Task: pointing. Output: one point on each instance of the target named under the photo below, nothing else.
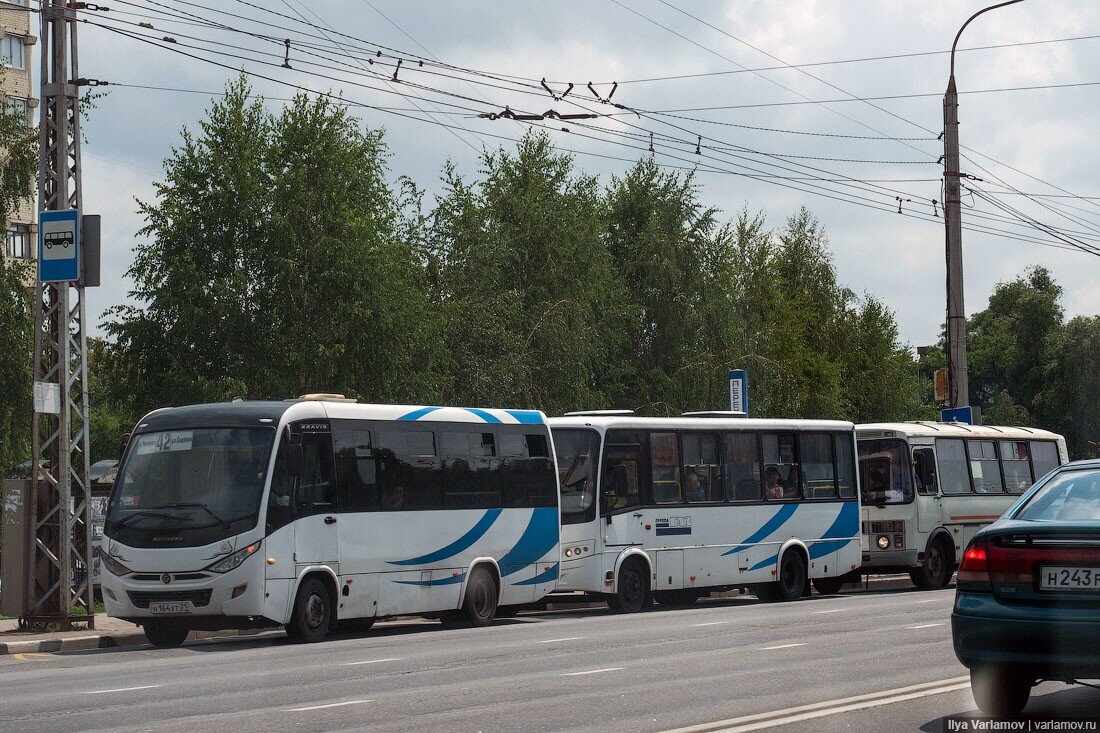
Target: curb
(110, 641)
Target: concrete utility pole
(60, 511)
(958, 384)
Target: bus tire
(165, 634)
(828, 586)
(480, 603)
(999, 692)
(633, 594)
(935, 571)
(792, 577)
(312, 614)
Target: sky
(775, 144)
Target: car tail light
(974, 569)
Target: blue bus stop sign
(58, 246)
(958, 414)
(739, 391)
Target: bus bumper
(886, 559)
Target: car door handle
(330, 520)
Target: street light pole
(958, 384)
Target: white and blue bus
(316, 511)
(672, 509)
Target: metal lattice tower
(60, 556)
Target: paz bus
(318, 511)
(928, 487)
(671, 509)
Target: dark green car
(1027, 604)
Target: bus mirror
(123, 441)
(295, 459)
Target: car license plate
(171, 607)
(1059, 577)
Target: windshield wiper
(131, 515)
(199, 505)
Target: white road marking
(329, 705)
(781, 646)
(713, 623)
(374, 661)
(831, 610)
(591, 671)
(929, 600)
(822, 709)
(924, 626)
(121, 689)
(551, 641)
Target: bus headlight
(234, 561)
(113, 565)
(883, 542)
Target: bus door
(929, 503)
(620, 494)
(316, 533)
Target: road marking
(781, 646)
(551, 641)
(924, 626)
(713, 623)
(929, 600)
(329, 705)
(30, 657)
(831, 610)
(374, 661)
(121, 689)
(831, 707)
(591, 671)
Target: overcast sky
(1032, 141)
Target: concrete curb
(111, 641)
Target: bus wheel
(633, 594)
(480, 604)
(935, 571)
(792, 576)
(828, 586)
(999, 692)
(312, 612)
(164, 634)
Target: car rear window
(1068, 496)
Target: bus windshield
(192, 478)
(884, 472)
(578, 455)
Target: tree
(1070, 403)
(276, 265)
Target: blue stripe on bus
(487, 417)
(417, 414)
(463, 542)
(778, 520)
(441, 581)
(764, 563)
(544, 577)
(539, 538)
(526, 417)
(840, 533)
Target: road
(879, 660)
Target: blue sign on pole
(739, 391)
(958, 414)
(58, 246)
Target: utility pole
(958, 386)
(60, 506)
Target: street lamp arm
(964, 25)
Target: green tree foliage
(275, 265)
(1070, 403)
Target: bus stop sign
(958, 414)
(58, 246)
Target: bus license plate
(171, 607)
(1059, 577)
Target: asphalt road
(877, 660)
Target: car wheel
(312, 613)
(828, 586)
(633, 594)
(165, 634)
(999, 692)
(480, 603)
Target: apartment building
(16, 57)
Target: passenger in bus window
(773, 489)
(793, 488)
(694, 489)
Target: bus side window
(845, 474)
(279, 508)
(665, 458)
(1044, 457)
(356, 467)
(924, 466)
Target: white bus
(312, 512)
(928, 487)
(672, 509)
